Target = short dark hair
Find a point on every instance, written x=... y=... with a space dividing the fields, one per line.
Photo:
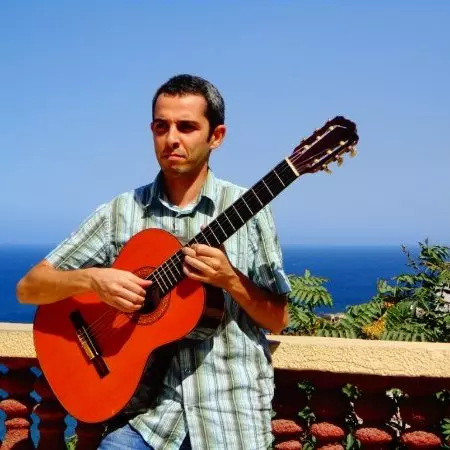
x=192 y=85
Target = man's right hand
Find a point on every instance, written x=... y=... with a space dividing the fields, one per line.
x=45 y=284
x=119 y=288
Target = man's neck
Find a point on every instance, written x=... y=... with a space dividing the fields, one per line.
x=185 y=189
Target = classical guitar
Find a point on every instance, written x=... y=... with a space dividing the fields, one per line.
x=94 y=356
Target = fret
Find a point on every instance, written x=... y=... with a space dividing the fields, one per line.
x=246 y=204
x=286 y=171
x=237 y=212
x=254 y=193
x=281 y=181
x=267 y=187
x=215 y=237
x=156 y=282
x=254 y=203
x=157 y=272
x=221 y=229
x=280 y=177
x=231 y=223
x=177 y=262
x=204 y=236
x=180 y=261
x=166 y=275
x=175 y=265
x=170 y=270
x=179 y=256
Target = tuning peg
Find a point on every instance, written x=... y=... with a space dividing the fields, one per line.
x=339 y=160
x=316 y=161
x=326 y=169
x=329 y=152
x=352 y=151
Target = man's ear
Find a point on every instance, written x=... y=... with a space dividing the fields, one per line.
x=218 y=136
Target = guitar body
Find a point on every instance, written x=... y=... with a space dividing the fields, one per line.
x=95 y=392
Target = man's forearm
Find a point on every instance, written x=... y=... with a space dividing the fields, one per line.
x=267 y=309
x=44 y=284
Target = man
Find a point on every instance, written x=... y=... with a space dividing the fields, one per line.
x=216 y=393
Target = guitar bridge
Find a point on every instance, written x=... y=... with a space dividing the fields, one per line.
x=88 y=345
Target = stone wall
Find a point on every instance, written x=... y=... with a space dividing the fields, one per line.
x=329 y=393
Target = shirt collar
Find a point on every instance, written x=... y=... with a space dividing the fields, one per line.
x=208 y=190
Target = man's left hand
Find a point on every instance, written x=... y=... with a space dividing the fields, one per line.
x=209 y=265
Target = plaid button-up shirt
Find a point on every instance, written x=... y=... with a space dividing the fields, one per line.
x=220 y=389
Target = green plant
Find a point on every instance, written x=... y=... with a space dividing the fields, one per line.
x=410 y=307
x=445 y=429
x=419 y=311
x=71 y=443
x=307 y=293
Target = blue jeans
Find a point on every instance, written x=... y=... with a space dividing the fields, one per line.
x=127 y=438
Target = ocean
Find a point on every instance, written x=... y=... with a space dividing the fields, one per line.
x=352 y=272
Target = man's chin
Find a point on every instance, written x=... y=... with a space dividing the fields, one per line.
x=176 y=170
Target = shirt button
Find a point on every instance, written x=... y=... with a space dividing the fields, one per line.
x=187 y=371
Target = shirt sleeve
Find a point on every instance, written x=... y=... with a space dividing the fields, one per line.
x=88 y=246
x=266 y=261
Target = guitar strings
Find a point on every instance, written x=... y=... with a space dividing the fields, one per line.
x=177 y=258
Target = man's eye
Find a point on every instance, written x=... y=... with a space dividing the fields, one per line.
x=186 y=127
x=160 y=127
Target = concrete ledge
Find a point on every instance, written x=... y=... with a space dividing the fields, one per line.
x=16 y=340
x=353 y=356
x=358 y=356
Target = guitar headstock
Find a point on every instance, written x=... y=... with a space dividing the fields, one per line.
x=325 y=145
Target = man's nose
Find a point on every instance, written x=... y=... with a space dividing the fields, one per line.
x=173 y=137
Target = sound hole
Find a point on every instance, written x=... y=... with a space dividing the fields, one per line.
x=154 y=305
x=152 y=300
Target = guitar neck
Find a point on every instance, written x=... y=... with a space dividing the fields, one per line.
x=247 y=206
x=168 y=274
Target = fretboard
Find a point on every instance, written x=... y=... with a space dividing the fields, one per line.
x=168 y=274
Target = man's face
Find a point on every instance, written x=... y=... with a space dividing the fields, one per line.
x=180 y=134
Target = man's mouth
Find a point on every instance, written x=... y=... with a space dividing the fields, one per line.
x=174 y=156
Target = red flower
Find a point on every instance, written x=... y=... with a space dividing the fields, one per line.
x=289 y=445
x=420 y=440
x=283 y=427
x=327 y=432
x=371 y=436
x=331 y=447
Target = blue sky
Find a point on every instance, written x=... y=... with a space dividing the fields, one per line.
x=77 y=79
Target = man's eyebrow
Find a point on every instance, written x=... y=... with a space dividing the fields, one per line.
x=184 y=121
x=188 y=121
